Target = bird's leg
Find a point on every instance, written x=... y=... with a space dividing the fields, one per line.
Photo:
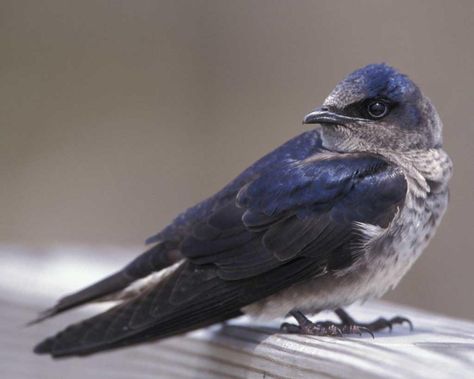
x=350 y=326
x=306 y=326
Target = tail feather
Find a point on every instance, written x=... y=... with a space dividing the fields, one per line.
x=154 y=259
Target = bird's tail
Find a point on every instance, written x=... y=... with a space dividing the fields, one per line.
x=156 y=258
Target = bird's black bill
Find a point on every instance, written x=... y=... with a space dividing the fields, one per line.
x=324 y=116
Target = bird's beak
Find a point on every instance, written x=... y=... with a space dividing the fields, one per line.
x=324 y=116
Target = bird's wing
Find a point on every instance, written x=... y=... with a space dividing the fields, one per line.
x=165 y=252
x=302 y=208
x=285 y=226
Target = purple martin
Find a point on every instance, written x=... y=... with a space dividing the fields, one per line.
x=336 y=215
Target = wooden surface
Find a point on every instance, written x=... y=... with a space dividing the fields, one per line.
x=439 y=347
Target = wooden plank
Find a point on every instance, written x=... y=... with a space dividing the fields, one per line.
x=439 y=347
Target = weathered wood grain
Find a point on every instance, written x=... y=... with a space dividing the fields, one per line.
x=439 y=347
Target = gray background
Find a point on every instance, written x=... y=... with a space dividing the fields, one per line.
x=117 y=115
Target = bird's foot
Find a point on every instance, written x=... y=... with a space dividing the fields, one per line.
x=305 y=326
x=353 y=328
x=347 y=325
x=382 y=323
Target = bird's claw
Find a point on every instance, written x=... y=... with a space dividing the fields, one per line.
x=382 y=323
x=401 y=320
x=286 y=327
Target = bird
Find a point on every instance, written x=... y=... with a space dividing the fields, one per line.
x=336 y=215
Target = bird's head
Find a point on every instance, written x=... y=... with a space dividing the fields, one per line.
x=376 y=107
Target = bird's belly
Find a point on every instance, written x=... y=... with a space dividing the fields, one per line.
x=381 y=268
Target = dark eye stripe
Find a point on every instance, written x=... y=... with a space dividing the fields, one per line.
x=359 y=109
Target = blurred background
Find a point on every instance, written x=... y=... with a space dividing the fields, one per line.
x=117 y=115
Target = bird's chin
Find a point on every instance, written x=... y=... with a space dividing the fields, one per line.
x=338 y=137
x=336 y=128
x=331 y=125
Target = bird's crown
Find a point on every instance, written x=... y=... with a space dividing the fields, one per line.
x=371 y=81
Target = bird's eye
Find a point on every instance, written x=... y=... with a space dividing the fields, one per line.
x=377 y=109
